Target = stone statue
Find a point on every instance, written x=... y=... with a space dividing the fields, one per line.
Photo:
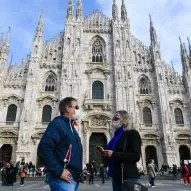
x=67 y=49
x=118 y=51
x=77 y=51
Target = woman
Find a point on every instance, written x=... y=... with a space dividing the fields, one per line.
x=184 y=173
x=22 y=173
x=123 y=151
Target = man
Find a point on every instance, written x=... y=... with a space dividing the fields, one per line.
x=174 y=172
x=61 y=150
x=151 y=173
x=102 y=173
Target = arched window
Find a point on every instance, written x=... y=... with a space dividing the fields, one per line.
x=97 y=51
x=178 y=116
x=97 y=90
x=144 y=85
x=46 y=114
x=147 y=116
x=50 y=83
x=11 y=113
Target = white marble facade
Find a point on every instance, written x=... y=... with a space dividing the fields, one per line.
x=99 y=50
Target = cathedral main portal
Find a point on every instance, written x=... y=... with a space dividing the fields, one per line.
x=184 y=152
x=151 y=153
x=96 y=139
x=6 y=153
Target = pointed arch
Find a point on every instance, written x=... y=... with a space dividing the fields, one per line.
x=144 y=85
x=11 y=113
x=98 y=49
x=178 y=116
x=50 y=84
x=97 y=90
x=147 y=116
x=46 y=114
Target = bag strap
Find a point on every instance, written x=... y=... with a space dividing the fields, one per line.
x=122 y=164
x=125 y=145
x=144 y=170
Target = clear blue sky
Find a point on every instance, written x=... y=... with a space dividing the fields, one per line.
x=171 y=19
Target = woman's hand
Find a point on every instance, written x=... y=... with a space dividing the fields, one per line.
x=100 y=150
x=107 y=153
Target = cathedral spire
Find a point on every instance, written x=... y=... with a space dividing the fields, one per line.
x=79 y=10
x=39 y=29
x=189 y=45
x=115 y=13
x=153 y=34
x=7 y=40
x=183 y=54
x=4 y=49
x=123 y=11
x=70 y=10
x=1 y=41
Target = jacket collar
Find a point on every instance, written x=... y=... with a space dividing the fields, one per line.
x=65 y=118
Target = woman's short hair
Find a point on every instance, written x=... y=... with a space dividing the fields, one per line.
x=125 y=119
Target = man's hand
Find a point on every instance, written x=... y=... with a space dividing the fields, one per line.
x=66 y=176
x=107 y=153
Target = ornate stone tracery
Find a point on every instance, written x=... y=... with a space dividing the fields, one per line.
x=47 y=100
x=97 y=22
x=144 y=85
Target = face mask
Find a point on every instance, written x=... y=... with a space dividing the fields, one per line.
x=116 y=124
x=76 y=116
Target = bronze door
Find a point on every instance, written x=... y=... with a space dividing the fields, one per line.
x=96 y=139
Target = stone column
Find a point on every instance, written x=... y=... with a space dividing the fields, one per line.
x=87 y=146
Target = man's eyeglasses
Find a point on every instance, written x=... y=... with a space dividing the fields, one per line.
x=76 y=107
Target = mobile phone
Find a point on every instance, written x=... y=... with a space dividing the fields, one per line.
x=100 y=148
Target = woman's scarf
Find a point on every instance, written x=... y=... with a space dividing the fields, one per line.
x=111 y=146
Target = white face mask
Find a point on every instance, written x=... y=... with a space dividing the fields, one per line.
x=116 y=124
x=76 y=116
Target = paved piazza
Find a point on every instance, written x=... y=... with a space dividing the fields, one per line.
x=162 y=185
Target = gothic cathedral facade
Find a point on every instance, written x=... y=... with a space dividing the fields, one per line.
x=98 y=61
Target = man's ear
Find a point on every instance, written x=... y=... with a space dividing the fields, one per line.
x=67 y=109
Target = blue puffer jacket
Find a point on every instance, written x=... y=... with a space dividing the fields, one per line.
x=54 y=145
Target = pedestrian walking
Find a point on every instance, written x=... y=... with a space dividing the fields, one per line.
x=22 y=173
x=4 y=175
x=102 y=173
x=123 y=151
x=85 y=173
x=174 y=172
x=61 y=150
x=91 y=173
x=184 y=173
x=151 y=172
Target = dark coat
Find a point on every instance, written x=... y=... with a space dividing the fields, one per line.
x=129 y=157
x=54 y=145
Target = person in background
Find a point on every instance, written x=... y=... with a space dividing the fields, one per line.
x=85 y=173
x=102 y=173
x=13 y=174
x=22 y=173
x=184 y=173
x=123 y=157
x=174 y=172
x=4 y=175
x=151 y=172
x=189 y=168
x=91 y=172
